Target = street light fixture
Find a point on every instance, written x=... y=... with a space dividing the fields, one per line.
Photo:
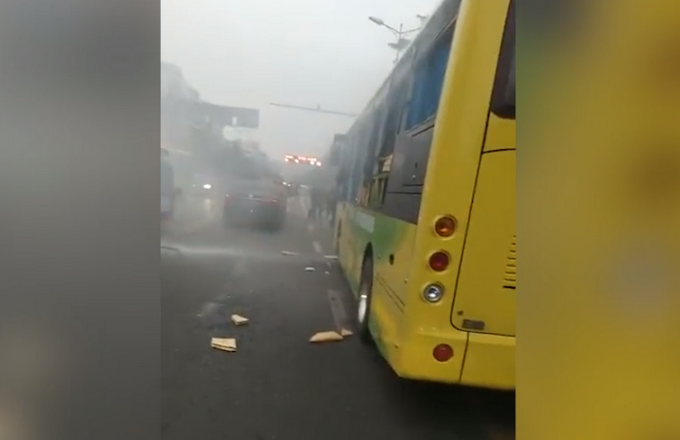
x=377 y=20
x=401 y=43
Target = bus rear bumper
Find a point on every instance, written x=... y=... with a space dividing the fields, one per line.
x=485 y=361
x=489 y=362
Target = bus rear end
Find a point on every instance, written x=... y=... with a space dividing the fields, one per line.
x=461 y=322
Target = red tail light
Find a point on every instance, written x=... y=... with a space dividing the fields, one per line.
x=439 y=261
x=442 y=352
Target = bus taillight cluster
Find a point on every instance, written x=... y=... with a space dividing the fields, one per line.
x=439 y=261
x=444 y=227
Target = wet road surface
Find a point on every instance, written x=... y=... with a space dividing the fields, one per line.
x=278 y=385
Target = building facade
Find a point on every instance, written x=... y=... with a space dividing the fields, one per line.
x=177 y=99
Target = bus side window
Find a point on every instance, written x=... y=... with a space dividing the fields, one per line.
x=375 y=198
x=372 y=150
x=429 y=81
x=393 y=122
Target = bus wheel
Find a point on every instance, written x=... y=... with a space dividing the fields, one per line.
x=364 y=300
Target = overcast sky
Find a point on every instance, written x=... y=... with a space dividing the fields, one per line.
x=303 y=52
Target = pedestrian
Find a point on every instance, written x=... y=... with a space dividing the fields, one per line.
x=332 y=204
x=317 y=202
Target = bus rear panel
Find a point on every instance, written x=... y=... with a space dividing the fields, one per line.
x=470 y=180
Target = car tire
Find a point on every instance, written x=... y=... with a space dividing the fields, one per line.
x=364 y=301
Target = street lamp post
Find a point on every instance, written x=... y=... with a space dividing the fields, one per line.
x=401 y=43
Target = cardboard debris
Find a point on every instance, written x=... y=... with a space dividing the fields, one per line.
x=309 y=269
x=289 y=253
x=224 y=344
x=239 y=320
x=326 y=337
x=344 y=332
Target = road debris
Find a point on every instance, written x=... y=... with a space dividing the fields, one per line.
x=309 y=269
x=224 y=344
x=344 y=332
x=239 y=320
x=289 y=253
x=331 y=257
x=326 y=337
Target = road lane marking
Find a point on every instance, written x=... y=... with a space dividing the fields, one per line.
x=340 y=317
x=317 y=247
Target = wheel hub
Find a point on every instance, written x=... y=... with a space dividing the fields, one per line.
x=362 y=306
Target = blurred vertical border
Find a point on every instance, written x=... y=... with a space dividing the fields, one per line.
x=79 y=188
x=598 y=220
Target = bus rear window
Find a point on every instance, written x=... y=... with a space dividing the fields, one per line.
x=506 y=103
x=503 y=99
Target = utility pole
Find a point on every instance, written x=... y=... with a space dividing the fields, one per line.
x=318 y=109
x=401 y=43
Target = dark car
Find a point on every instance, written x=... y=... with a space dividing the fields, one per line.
x=255 y=202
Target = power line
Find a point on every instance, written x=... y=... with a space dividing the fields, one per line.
x=318 y=109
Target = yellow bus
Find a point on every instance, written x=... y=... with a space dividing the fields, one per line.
x=426 y=232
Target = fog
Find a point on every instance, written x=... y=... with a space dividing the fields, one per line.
x=300 y=52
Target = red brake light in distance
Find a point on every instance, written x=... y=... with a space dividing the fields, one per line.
x=445 y=226
x=439 y=261
x=442 y=352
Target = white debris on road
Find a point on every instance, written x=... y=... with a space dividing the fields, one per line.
x=344 y=332
x=326 y=337
x=224 y=344
x=289 y=253
x=309 y=269
x=331 y=257
x=239 y=320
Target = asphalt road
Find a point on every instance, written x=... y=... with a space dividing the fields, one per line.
x=277 y=385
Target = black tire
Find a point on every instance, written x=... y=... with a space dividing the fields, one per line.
x=365 y=288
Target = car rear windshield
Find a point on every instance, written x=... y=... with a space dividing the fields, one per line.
x=256 y=187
